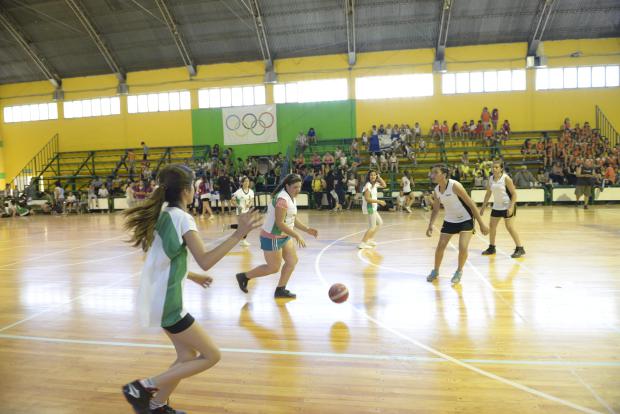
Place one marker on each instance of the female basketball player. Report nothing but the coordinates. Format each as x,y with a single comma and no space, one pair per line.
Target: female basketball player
504,206
369,207
243,200
280,226
164,230
460,211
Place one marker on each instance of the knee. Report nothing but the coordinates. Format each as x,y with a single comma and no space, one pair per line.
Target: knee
273,268
291,261
210,358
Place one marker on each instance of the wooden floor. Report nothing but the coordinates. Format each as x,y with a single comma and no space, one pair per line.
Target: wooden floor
535,335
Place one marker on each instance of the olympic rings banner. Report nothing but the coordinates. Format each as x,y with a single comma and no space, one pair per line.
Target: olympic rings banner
249,124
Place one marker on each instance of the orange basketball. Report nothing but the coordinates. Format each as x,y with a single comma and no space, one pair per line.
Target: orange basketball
338,293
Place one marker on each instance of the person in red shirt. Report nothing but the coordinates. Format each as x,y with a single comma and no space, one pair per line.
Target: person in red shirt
479,130
445,131
436,130
485,116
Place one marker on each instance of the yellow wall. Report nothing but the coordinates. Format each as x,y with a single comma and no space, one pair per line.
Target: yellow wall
526,110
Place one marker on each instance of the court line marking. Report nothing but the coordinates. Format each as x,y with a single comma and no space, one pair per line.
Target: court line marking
594,393
334,355
440,354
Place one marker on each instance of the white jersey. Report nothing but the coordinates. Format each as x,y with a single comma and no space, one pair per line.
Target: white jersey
456,210
406,183
369,208
284,200
244,200
501,196
160,297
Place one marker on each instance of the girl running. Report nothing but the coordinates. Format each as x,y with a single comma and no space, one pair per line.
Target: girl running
243,201
460,211
369,207
504,206
164,230
280,226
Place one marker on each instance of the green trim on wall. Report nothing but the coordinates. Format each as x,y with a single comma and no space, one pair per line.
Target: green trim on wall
331,120
2,175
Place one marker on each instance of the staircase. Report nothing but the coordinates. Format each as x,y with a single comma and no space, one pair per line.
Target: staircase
605,127
43,164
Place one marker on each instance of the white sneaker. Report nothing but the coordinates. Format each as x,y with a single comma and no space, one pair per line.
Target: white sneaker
371,243
363,245
408,209
244,243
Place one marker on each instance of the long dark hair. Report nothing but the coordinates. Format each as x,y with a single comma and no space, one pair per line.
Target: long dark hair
444,169
288,180
141,220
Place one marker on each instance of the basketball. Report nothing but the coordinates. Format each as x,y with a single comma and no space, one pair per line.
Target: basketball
338,293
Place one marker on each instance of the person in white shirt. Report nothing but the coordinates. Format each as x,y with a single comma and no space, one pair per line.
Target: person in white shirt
280,226
71,203
165,231
243,201
460,212
370,202
393,162
383,163
504,195
406,192
103,194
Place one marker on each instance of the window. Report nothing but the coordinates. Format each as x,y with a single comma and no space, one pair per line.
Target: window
396,86
28,113
580,77
237,96
476,82
312,91
157,102
92,107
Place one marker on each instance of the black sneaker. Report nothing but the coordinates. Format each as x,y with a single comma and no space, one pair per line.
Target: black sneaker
166,409
138,396
519,251
489,251
585,206
243,282
284,293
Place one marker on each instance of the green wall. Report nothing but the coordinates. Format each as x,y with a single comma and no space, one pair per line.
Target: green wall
330,120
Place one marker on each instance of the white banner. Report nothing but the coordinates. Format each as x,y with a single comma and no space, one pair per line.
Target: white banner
249,124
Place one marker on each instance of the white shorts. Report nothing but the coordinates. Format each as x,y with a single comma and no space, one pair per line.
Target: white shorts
205,197
374,220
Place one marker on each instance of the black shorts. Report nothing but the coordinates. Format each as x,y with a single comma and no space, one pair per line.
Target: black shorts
181,325
504,213
407,193
455,228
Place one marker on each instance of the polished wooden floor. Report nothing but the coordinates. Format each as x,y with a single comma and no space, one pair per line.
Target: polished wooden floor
535,335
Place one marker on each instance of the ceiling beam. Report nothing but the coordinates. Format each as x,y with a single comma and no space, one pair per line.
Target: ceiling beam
259,25
544,12
42,64
444,25
80,13
349,7
188,61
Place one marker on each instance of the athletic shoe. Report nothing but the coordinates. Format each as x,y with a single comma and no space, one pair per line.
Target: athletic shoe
457,277
519,251
363,245
284,294
166,409
243,282
585,206
138,396
408,210
371,243
489,251
432,276
245,243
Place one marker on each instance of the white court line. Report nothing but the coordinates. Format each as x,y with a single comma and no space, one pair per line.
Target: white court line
441,354
29,259
334,355
594,394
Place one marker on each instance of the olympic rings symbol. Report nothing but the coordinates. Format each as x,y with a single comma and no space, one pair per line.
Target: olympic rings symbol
249,122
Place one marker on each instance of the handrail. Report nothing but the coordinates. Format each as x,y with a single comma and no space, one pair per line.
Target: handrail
36,166
605,127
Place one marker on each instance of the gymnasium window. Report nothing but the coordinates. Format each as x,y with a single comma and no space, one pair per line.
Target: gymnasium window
477,82
396,86
28,113
311,91
92,107
159,102
578,77
237,96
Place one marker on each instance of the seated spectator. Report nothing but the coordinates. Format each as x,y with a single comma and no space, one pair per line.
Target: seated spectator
383,162
435,130
393,163
523,178
610,175
374,146
312,138
417,131
505,130
318,187
328,160
373,162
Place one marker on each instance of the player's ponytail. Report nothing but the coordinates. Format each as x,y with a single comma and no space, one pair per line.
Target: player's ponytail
141,220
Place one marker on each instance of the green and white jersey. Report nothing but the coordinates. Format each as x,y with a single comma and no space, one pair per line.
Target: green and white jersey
244,200
369,208
160,297
282,200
